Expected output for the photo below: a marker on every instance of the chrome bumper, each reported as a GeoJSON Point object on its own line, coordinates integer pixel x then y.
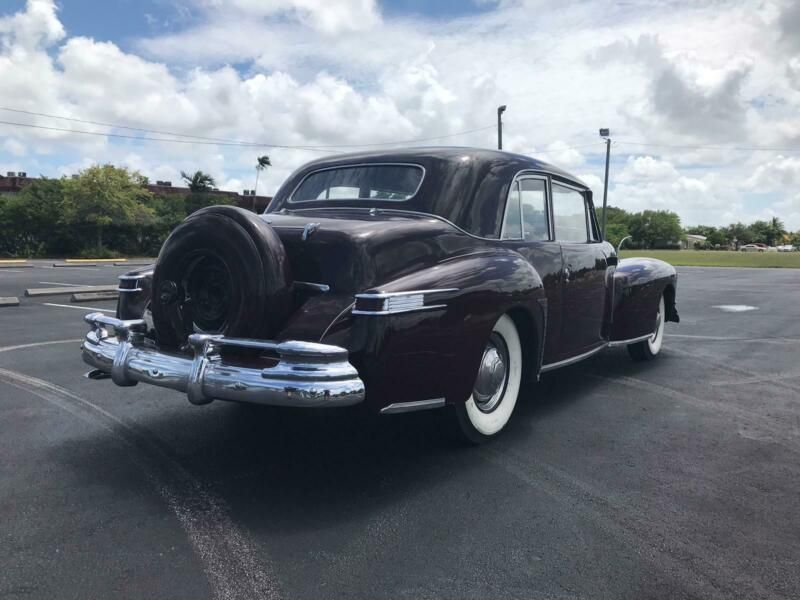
{"type": "Point", "coordinates": [306, 374]}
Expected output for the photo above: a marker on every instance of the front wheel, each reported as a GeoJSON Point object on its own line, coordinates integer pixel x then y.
{"type": "Point", "coordinates": [649, 348]}
{"type": "Point", "coordinates": [497, 385]}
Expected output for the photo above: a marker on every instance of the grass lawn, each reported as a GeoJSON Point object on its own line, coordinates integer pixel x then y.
{"type": "Point", "coordinates": [720, 258]}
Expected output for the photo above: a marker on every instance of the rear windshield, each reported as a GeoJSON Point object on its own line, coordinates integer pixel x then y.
{"type": "Point", "coordinates": [362, 182]}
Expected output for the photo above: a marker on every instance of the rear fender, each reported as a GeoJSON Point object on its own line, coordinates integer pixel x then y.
{"type": "Point", "coordinates": [435, 353]}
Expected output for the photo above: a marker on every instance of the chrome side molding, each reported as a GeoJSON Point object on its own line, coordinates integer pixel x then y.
{"type": "Point", "coordinates": [392, 303]}
{"type": "Point", "coordinates": [404, 407]}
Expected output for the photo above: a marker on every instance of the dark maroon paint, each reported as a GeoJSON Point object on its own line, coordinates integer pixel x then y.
{"type": "Point", "coordinates": [446, 236]}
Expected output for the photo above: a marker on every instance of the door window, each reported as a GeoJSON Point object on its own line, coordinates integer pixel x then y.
{"type": "Point", "coordinates": [534, 210]}
{"type": "Point", "coordinates": [569, 214]}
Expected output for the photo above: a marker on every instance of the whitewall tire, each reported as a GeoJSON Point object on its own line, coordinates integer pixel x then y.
{"type": "Point", "coordinates": [648, 349]}
{"type": "Point", "coordinates": [497, 385]}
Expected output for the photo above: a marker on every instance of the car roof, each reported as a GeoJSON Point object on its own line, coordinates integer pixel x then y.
{"type": "Point", "coordinates": [423, 154]}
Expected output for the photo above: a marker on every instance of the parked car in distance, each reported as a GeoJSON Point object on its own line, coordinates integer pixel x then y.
{"type": "Point", "coordinates": [753, 248]}
{"type": "Point", "coordinates": [401, 280]}
{"type": "Point", "coordinates": [786, 248]}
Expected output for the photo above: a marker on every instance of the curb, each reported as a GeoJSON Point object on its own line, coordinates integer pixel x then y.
{"type": "Point", "coordinates": [93, 296]}
{"type": "Point", "coordinates": [92, 264]}
{"type": "Point", "coordinates": [94, 260]}
{"type": "Point", "coordinates": [65, 291]}
{"type": "Point", "coordinates": [9, 301]}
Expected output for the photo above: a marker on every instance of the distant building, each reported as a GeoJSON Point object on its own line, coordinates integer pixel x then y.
{"type": "Point", "coordinates": [693, 240]}
{"type": "Point", "coordinates": [13, 182]}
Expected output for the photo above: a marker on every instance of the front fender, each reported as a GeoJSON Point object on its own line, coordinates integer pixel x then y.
{"type": "Point", "coordinates": [427, 354]}
{"type": "Point", "coordinates": [639, 284]}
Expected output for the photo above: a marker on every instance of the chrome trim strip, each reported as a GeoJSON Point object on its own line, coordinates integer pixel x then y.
{"type": "Point", "coordinates": [404, 407]}
{"type": "Point", "coordinates": [400, 302]}
{"type": "Point", "coordinates": [572, 360]}
{"type": "Point", "coordinates": [139, 276]}
{"type": "Point", "coordinates": [641, 338]}
{"type": "Point", "coordinates": [307, 374]}
{"type": "Point", "coordinates": [406, 212]}
{"type": "Point", "coordinates": [381, 295]}
{"type": "Point", "coordinates": [289, 199]}
{"type": "Point", "coordinates": [316, 287]}
{"type": "Point", "coordinates": [399, 311]}
{"type": "Point", "coordinates": [138, 289]}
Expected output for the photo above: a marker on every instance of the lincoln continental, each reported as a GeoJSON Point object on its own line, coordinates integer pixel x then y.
{"type": "Point", "coordinates": [403, 280]}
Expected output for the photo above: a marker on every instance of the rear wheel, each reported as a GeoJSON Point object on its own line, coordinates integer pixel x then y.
{"type": "Point", "coordinates": [648, 349]}
{"type": "Point", "coordinates": [497, 385]}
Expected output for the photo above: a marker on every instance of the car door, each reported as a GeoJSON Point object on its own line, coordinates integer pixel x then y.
{"type": "Point", "coordinates": [583, 282]}
{"type": "Point", "coordinates": [527, 228]}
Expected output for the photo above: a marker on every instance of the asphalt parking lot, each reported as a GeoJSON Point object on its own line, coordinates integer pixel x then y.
{"type": "Point", "coordinates": [678, 478]}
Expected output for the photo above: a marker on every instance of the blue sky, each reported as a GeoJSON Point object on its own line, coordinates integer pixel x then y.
{"type": "Point", "coordinates": [702, 99]}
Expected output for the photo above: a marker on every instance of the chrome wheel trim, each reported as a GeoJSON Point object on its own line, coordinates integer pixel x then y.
{"type": "Point", "coordinates": [492, 379]}
{"type": "Point", "coordinates": [655, 340]}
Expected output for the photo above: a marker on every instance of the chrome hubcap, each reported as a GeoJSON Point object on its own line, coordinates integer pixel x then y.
{"type": "Point", "coordinates": [492, 377]}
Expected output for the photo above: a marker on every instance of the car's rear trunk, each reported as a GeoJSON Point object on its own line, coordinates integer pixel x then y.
{"type": "Point", "coordinates": [355, 250]}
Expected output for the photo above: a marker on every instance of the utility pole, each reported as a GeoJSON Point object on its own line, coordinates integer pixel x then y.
{"type": "Point", "coordinates": [604, 133]}
{"type": "Point", "coordinates": [500, 111]}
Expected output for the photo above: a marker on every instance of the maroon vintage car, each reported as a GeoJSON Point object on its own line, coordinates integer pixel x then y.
{"type": "Point", "coordinates": [406, 280]}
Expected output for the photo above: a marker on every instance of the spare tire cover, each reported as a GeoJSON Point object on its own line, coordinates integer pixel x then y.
{"type": "Point", "coordinates": [223, 270]}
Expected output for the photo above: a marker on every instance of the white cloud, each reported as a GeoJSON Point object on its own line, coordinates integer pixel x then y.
{"type": "Point", "coordinates": [318, 72]}
{"type": "Point", "coordinates": [326, 16]}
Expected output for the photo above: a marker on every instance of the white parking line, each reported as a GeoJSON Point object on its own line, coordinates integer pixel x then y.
{"type": "Point", "coordinates": [236, 567]}
{"type": "Point", "coordinates": [83, 308]}
{"type": "Point", "coordinates": [9, 271]}
{"type": "Point", "coordinates": [36, 344]}
{"type": "Point", "coordinates": [67, 284]}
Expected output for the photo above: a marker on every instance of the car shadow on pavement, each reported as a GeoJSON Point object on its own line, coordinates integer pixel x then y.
{"type": "Point", "coordinates": [314, 468]}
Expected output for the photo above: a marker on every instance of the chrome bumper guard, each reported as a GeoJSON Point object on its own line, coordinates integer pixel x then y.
{"type": "Point", "coordinates": [306, 374]}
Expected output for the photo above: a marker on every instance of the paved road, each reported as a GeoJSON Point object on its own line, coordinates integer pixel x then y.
{"type": "Point", "coordinates": [674, 479]}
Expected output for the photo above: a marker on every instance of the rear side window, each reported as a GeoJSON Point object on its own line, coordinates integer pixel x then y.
{"type": "Point", "coordinates": [360, 182]}
{"type": "Point", "coordinates": [569, 214]}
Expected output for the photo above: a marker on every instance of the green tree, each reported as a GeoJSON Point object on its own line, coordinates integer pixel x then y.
{"type": "Point", "coordinates": [739, 234]}
{"type": "Point", "coordinates": [656, 229]}
{"type": "Point", "coordinates": [29, 219]}
{"type": "Point", "coordinates": [615, 232]}
{"type": "Point", "coordinates": [262, 162]}
{"type": "Point", "coordinates": [101, 196]}
{"type": "Point", "coordinates": [777, 231]}
{"type": "Point", "coordinates": [201, 187]}
{"type": "Point", "coordinates": [198, 181]}
{"type": "Point", "coordinates": [714, 236]}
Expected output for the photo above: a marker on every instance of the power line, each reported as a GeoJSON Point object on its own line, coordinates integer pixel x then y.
{"type": "Point", "coordinates": [151, 139]}
{"type": "Point", "coordinates": [710, 147]}
{"type": "Point", "coordinates": [210, 140]}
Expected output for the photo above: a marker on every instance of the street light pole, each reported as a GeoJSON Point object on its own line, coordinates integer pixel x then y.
{"type": "Point", "coordinates": [500, 111]}
{"type": "Point", "coordinates": [604, 132]}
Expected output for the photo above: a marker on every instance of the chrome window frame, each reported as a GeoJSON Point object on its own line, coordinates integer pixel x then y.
{"type": "Point", "coordinates": [518, 177]}
{"type": "Point", "coordinates": [586, 217]}
{"type": "Point", "coordinates": [291, 200]}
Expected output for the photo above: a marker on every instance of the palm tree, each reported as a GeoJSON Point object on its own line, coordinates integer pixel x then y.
{"type": "Point", "coordinates": [199, 182]}
{"type": "Point", "coordinates": [777, 230]}
{"type": "Point", "coordinates": [262, 163]}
